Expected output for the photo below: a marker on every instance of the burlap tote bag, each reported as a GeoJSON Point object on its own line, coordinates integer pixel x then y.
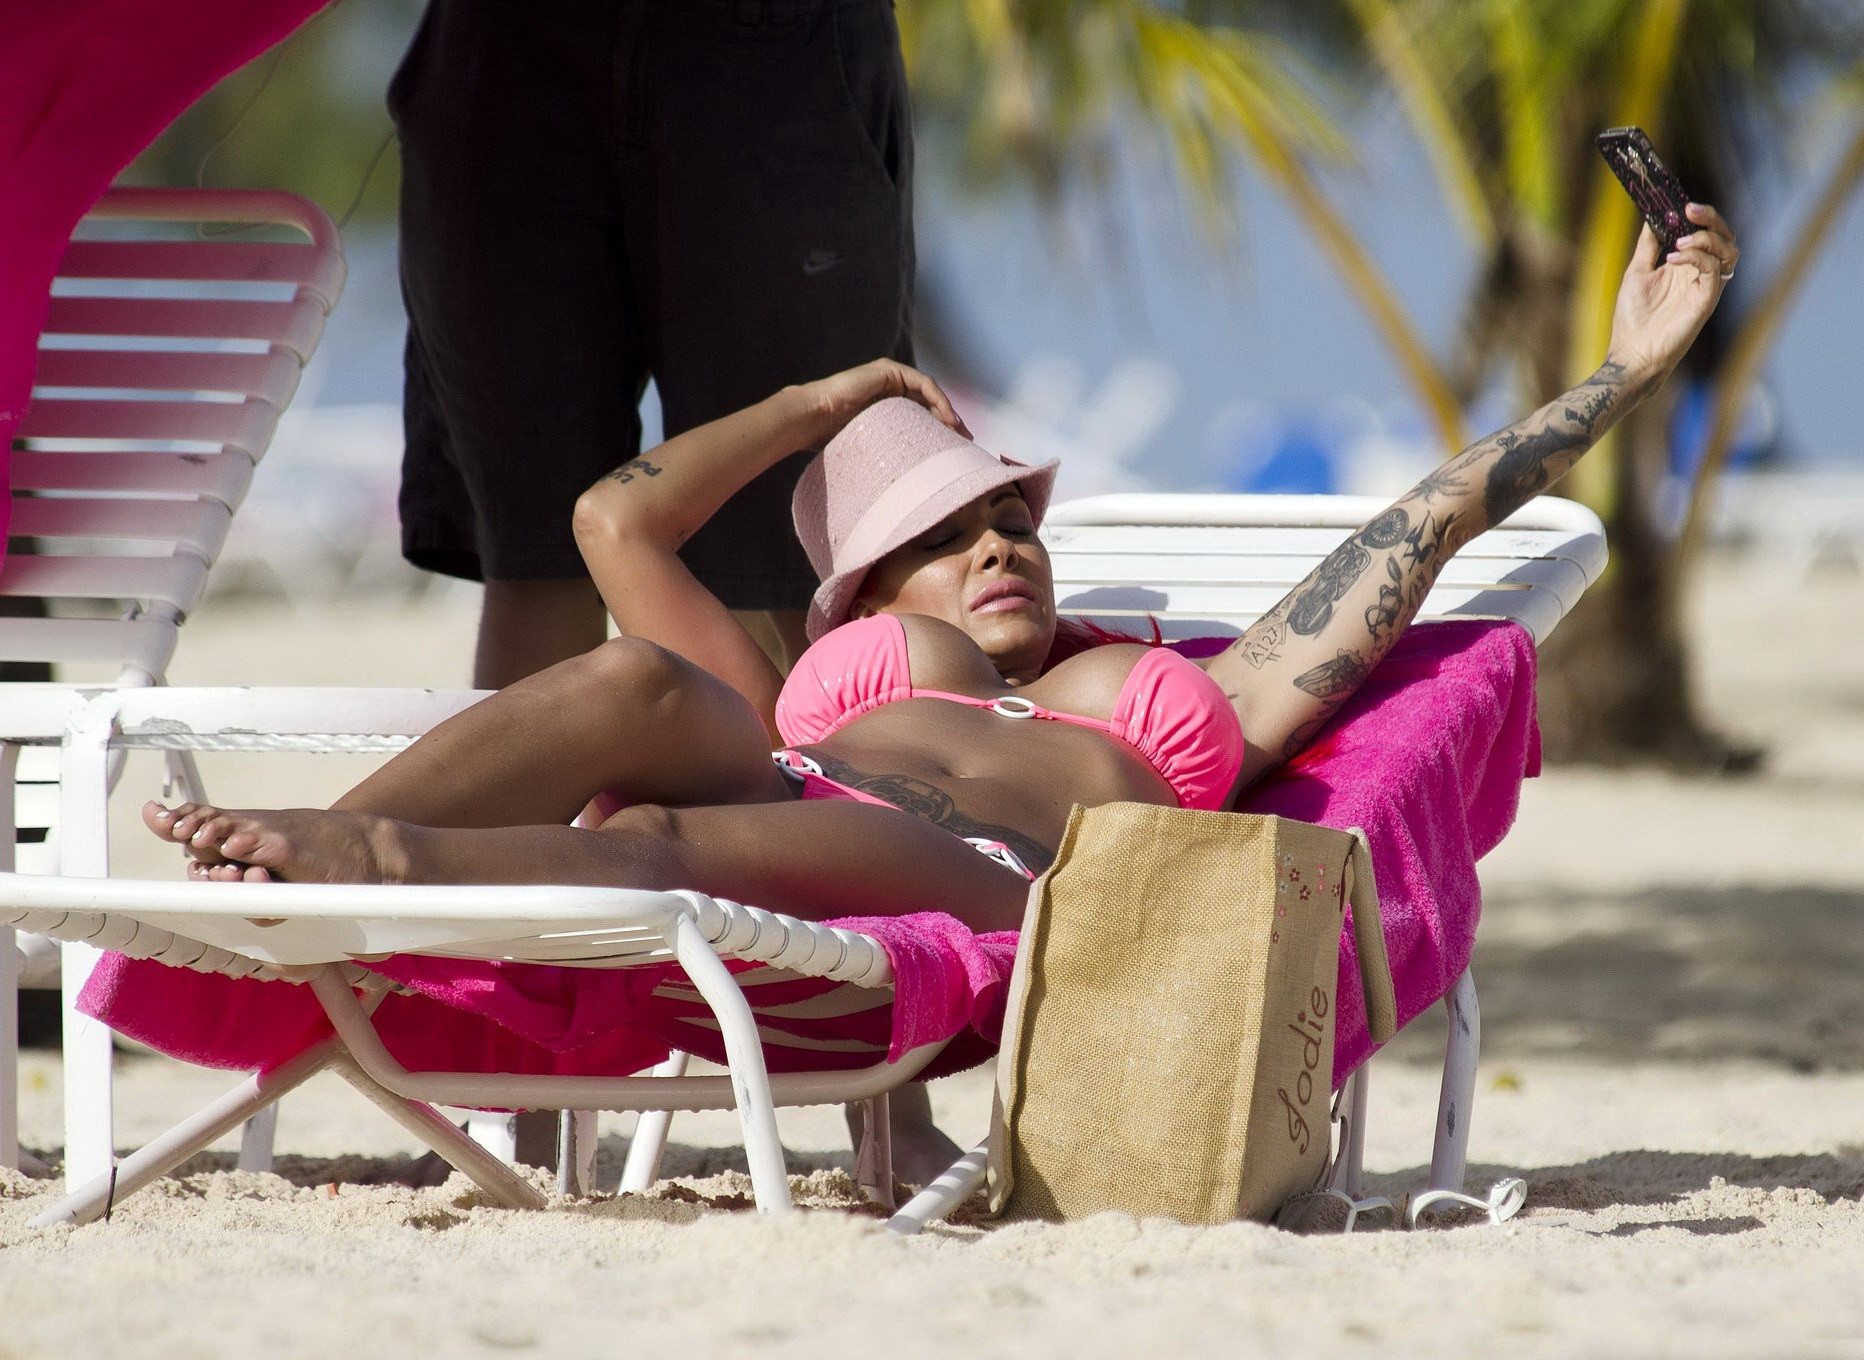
{"type": "Point", "coordinates": [1168, 1044]}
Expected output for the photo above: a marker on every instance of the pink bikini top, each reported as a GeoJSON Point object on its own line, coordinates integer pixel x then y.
{"type": "Point", "coordinates": [1168, 710]}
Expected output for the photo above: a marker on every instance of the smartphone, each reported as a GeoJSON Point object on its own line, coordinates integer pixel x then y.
{"type": "Point", "coordinates": [1653, 187]}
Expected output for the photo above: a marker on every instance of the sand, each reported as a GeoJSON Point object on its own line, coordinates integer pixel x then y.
{"type": "Point", "coordinates": [1673, 1057]}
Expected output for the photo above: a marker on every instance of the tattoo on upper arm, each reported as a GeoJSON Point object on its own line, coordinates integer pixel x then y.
{"type": "Point", "coordinates": [1312, 606]}
{"type": "Point", "coordinates": [1335, 679]}
{"type": "Point", "coordinates": [1264, 636]}
{"type": "Point", "coordinates": [1303, 736]}
{"type": "Point", "coordinates": [628, 470]}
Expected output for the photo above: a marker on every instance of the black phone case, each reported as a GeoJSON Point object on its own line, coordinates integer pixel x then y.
{"type": "Point", "coordinates": [1656, 191]}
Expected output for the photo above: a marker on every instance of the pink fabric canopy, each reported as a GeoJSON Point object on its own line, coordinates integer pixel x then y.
{"type": "Point", "coordinates": [84, 86]}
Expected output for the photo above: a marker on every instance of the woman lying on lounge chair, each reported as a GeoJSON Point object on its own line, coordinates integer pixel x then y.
{"type": "Point", "coordinates": [910, 736]}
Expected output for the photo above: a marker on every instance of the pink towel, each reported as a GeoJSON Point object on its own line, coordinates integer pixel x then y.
{"type": "Point", "coordinates": [1428, 759]}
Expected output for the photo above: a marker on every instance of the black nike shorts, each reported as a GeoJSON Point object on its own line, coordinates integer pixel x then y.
{"type": "Point", "coordinates": [716, 194]}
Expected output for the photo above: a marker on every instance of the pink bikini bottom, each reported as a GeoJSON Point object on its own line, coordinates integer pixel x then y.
{"type": "Point", "coordinates": [814, 784]}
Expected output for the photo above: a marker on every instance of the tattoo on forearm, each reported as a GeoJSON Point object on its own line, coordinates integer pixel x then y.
{"type": "Point", "coordinates": [1440, 482]}
{"type": "Point", "coordinates": [932, 804]}
{"type": "Point", "coordinates": [1386, 531]}
{"type": "Point", "coordinates": [1383, 616]}
{"type": "Point", "coordinates": [628, 471]}
{"type": "Point", "coordinates": [1505, 471]}
{"type": "Point", "coordinates": [1313, 601]}
{"type": "Point", "coordinates": [1538, 451]}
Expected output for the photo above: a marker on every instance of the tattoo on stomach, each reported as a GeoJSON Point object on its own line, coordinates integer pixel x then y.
{"type": "Point", "coordinates": [930, 803]}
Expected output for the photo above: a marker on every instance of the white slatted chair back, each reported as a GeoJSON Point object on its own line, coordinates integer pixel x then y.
{"type": "Point", "coordinates": [164, 366]}
{"type": "Point", "coordinates": [166, 359]}
{"type": "Point", "coordinates": [163, 369]}
{"type": "Point", "coordinates": [1206, 565]}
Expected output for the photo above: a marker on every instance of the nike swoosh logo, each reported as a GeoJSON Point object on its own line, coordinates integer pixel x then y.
{"type": "Point", "coordinates": [820, 261]}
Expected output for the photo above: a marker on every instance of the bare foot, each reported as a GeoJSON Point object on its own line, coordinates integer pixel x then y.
{"type": "Point", "coordinates": [297, 845]}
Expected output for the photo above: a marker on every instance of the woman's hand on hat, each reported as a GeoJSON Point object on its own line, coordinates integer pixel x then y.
{"type": "Point", "coordinates": [835, 400]}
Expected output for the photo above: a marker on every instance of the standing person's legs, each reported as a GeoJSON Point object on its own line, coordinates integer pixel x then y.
{"type": "Point", "coordinates": [767, 160]}
{"type": "Point", "coordinates": [769, 166]}
{"type": "Point", "coordinates": [529, 626]}
{"type": "Point", "coordinates": [524, 363]}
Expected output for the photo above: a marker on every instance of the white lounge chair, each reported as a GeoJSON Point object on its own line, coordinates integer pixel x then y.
{"type": "Point", "coordinates": [1207, 564]}
{"type": "Point", "coordinates": [162, 372]}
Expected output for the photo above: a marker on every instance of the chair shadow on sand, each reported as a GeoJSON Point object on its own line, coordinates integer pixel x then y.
{"type": "Point", "coordinates": [1673, 975]}
{"type": "Point", "coordinates": [1644, 1177]}
{"type": "Point", "coordinates": [1678, 976]}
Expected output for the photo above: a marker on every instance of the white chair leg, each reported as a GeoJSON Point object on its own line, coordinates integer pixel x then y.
{"type": "Point", "coordinates": [1352, 1158]}
{"type": "Point", "coordinates": [256, 1139]}
{"type": "Point", "coordinates": [750, 1079]}
{"type": "Point", "coordinates": [501, 1184]}
{"type": "Point", "coordinates": [873, 1159]}
{"type": "Point", "coordinates": [953, 1187]}
{"type": "Point", "coordinates": [95, 1197]}
{"type": "Point", "coordinates": [576, 1142]}
{"type": "Point", "coordinates": [642, 1169]}
{"type": "Point", "coordinates": [182, 782]}
{"type": "Point", "coordinates": [89, 1119]}
{"type": "Point", "coordinates": [84, 852]}
{"type": "Point", "coordinates": [496, 1133]}
{"type": "Point", "coordinates": [10, 964]}
{"type": "Point", "coordinates": [1455, 1105]}
{"type": "Point", "coordinates": [1345, 1181]}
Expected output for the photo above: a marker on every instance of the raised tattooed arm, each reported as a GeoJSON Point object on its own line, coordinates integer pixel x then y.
{"type": "Point", "coordinates": [1299, 663]}
{"type": "Point", "coordinates": [1308, 655]}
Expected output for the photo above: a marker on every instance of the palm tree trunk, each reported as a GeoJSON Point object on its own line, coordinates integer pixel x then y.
{"type": "Point", "coordinates": [1615, 685]}
{"type": "Point", "coordinates": [1756, 339]}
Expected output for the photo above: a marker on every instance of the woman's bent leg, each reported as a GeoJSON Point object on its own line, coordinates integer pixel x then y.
{"type": "Point", "coordinates": [629, 716]}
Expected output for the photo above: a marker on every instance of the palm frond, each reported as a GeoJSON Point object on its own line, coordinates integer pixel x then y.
{"type": "Point", "coordinates": [1445, 138]}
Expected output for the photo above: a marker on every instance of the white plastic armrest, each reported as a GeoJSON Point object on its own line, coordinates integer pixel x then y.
{"type": "Point", "coordinates": [300, 717]}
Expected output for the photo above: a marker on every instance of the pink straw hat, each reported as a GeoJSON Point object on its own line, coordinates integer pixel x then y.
{"type": "Point", "coordinates": [892, 473]}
